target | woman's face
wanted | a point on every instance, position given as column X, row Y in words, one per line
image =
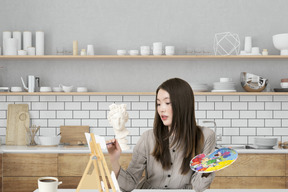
column 164, row 107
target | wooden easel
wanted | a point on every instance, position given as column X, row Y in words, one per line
column 93, row 180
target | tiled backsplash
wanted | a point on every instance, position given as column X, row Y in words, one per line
column 239, row 118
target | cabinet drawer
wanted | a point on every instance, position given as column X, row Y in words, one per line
column 75, row 164
column 72, row 164
column 248, row 183
column 29, row 165
column 19, row 184
column 256, row 165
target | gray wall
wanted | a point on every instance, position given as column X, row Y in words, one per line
column 112, row 24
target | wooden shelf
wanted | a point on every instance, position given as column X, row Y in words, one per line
column 139, row 93
column 144, row 57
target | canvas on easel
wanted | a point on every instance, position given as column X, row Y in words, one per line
column 97, row 178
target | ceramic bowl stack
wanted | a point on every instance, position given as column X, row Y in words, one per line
column 225, row 85
column 199, row 87
column 265, row 142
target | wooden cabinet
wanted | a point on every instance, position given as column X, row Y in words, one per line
column 253, row 171
column 21, row 171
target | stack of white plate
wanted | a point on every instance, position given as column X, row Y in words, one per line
column 199, row 87
column 225, row 85
column 265, row 142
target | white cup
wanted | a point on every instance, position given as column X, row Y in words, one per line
column 145, row 50
column 157, row 45
column 82, row 89
column 90, row 50
column 255, row 51
column 48, row 184
column 121, row 52
column 16, row 89
column 170, row 50
column 22, row 52
column 31, row 51
column 134, row 52
column 66, row 88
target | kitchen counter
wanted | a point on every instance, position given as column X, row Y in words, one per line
column 208, row 190
column 80, row 149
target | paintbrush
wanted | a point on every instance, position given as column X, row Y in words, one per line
column 111, row 143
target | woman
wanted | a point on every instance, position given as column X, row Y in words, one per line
column 165, row 151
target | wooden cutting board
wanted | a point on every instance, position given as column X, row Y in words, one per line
column 18, row 118
column 73, row 135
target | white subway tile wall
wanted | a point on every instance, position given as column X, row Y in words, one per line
column 239, row 118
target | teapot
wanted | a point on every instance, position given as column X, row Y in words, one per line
column 33, row 84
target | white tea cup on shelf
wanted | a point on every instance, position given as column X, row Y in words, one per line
column 66, row 88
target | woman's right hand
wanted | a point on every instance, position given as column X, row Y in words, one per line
column 114, row 149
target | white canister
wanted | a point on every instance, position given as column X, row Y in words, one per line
column 90, row 50
column 17, row 35
column 248, row 44
column 11, row 46
column 6, row 35
column 27, row 39
column 31, row 51
column 39, row 43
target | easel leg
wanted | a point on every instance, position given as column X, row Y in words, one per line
column 84, row 175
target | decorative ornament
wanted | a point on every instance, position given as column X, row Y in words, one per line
column 226, row 43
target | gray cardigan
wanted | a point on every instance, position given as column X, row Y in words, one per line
column 155, row 176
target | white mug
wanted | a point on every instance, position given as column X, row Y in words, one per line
column 31, row 51
column 170, row 50
column 90, row 50
column 133, row 52
column 121, row 52
column 145, row 50
column 22, row 52
column 48, row 184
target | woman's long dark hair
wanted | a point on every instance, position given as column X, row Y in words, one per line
column 187, row 136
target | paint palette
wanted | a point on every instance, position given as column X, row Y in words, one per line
column 219, row 159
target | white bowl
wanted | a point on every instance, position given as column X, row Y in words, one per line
column 284, row 85
column 49, row 140
column 265, row 142
column 16, row 89
column 280, row 42
column 45, row 89
column 57, row 89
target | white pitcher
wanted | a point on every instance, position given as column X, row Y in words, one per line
column 31, row 83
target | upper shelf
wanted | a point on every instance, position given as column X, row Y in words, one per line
column 138, row 93
column 143, row 57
